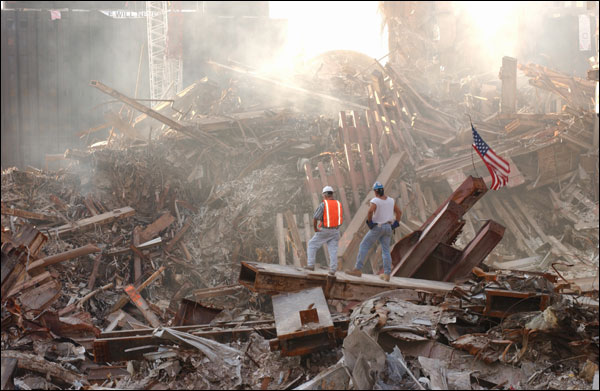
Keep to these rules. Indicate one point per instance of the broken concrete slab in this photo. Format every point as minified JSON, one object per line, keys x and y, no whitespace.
{"x":294,"y":336}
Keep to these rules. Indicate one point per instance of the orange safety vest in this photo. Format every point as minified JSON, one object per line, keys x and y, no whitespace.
{"x":332,"y":213}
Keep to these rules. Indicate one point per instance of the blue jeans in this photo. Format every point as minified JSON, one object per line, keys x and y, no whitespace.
{"x":383,"y":233}
{"x":329,"y":236}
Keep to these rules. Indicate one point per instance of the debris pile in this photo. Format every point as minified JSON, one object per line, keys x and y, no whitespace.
{"x":399,"y":341}
{"x":129,"y":268}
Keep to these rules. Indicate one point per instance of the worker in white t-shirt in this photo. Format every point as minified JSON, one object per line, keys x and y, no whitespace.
{"x":381,"y":222}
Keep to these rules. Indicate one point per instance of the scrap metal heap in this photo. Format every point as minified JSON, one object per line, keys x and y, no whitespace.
{"x":128,"y":267}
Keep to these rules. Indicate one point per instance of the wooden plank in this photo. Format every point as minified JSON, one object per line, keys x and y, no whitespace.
{"x":280,"y":234}
{"x":90,"y":222}
{"x":297,"y":243}
{"x":350,"y":240}
{"x":151,"y":231}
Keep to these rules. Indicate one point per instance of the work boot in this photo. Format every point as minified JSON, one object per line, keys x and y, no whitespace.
{"x":331,"y":272}
{"x":354,"y":272}
{"x":308,"y":267}
{"x":384,"y":277}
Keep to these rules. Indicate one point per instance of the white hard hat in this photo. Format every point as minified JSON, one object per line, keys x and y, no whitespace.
{"x":327,"y":188}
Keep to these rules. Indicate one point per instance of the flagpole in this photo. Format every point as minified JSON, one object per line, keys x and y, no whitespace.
{"x":472,"y":160}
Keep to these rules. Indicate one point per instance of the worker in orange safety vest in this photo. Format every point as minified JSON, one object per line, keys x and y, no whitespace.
{"x":330,"y":217}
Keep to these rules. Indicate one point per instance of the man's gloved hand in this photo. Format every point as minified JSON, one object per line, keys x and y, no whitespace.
{"x":371,"y":224}
{"x":395,"y":224}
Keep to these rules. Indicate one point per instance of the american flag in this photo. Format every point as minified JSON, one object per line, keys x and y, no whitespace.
{"x":54,"y":14}
{"x":498,"y":167}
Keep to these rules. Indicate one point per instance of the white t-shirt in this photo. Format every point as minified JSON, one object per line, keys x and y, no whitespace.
{"x":385,"y":210}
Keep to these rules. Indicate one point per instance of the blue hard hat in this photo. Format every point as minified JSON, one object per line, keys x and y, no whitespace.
{"x":377,"y":185}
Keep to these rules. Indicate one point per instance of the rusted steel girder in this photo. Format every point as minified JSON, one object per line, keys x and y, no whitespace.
{"x":74,"y":253}
{"x":427,"y":241}
{"x":427,"y":252}
{"x":466,"y":195}
{"x":271,"y":278}
{"x":484,"y":242}
{"x":501,"y":303}
{"x":121,"y":345}
{"x":140,"y":107}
